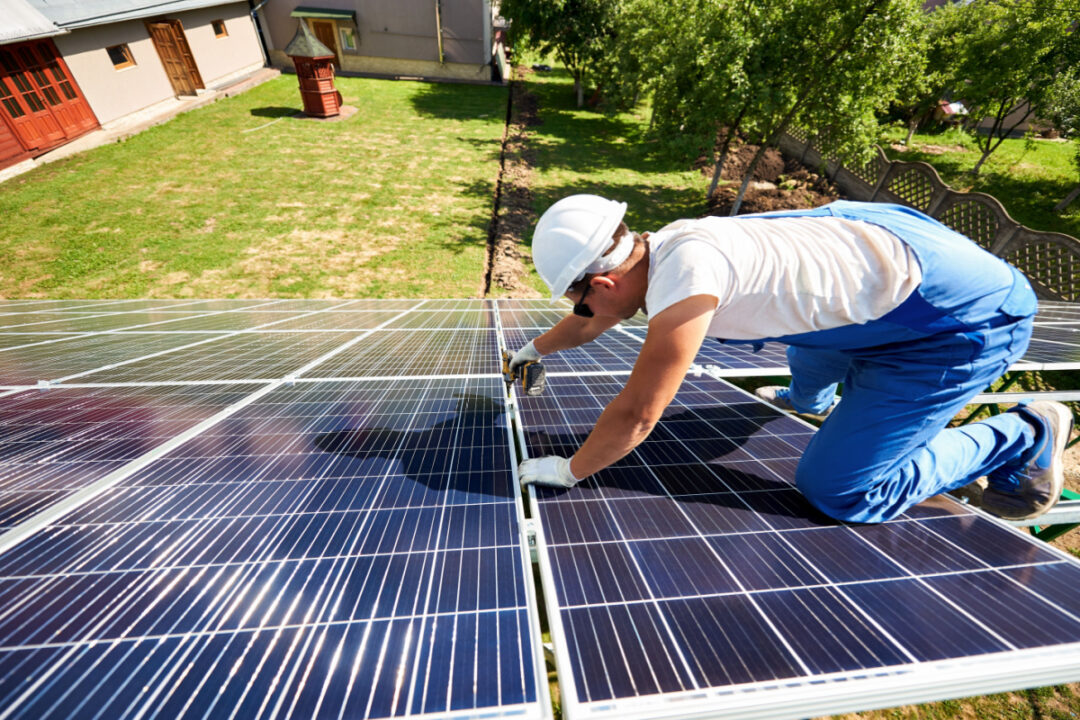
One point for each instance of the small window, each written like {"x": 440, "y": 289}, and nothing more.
{"x": 120, "y": 56}
{"x": 348, "y": 38}
{"x": 219, "y": 28}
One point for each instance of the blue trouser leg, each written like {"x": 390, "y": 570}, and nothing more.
{"x": 885, "y": 446}
{"x": 814, "y": 375}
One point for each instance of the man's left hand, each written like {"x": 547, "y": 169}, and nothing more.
{"x": 553, "y": 471}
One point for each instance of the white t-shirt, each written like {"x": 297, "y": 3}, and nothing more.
{"x": 781, "y": 276}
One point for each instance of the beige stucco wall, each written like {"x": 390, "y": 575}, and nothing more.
{"x": 406, "y": 68}
{"x": 113, "y": 93}
{"x": 399, "y": 37}
{"x": 221, "y": 57}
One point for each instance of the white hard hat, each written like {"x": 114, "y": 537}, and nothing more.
{"x": 571, "y": 237}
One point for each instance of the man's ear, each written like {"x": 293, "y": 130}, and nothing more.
{"x": 602, "y": 282}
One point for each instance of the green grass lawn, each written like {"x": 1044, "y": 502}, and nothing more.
{"x": 1029, "y": 177}
{"x": 241, "y": 199}
{"x": 583, "y": 150}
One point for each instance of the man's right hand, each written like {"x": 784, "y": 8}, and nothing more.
{"x": 525, "y": 355}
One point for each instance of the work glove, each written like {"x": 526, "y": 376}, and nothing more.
{"x": 526, "y": 354}
{"x": 552, "y": 471}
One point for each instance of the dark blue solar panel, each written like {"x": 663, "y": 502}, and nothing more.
{"x": 694, "y": 564}
{"x": 612, "y": 351}
{"x": 329, "y": 548}
{"x": 54, "y": 442}
{"x": 415, "y": 352}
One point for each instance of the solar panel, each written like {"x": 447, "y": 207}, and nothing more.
{"x": 307, "y": 508}
{"x": 735, "y": 360}
{"x": 240, "y": 356}
{"x": 691, "y": 578}
{"x": 77, "y": 354}
{"x": 416, "y": 352}
{"x": 611, "y": 352}
{"x": 330, "y": 549}
{"x": 56, "y": 442}
{"x": 448, "y": 320}
{"x": 1056, "y": 311}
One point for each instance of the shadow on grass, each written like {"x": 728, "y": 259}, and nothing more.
{"x": 453, "y": 101}
{"x": 274, "y": 112}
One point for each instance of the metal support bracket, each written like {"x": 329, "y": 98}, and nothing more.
{"x": 530, "y": 527}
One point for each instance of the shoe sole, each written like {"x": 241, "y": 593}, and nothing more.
{"x": 1060, "y": 420}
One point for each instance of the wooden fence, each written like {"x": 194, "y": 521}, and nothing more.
{"x": 1050, "y": 260}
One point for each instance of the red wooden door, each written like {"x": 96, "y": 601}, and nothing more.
{"x": 35, "y": 124}
{"x": 64, "y": 96}
{"x": 11, "y": 150}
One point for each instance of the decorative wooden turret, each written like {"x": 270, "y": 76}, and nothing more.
{"x": 315, "y": 70}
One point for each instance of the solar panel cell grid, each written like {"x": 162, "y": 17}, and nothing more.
{"x": 353, "y": 561}
{"x": 693, "y": 565}
{"x": 338, "y": 320}
{"x": 112, "y": 321}
{"x": 224, "y": 321}
{"x": 55, "y": 442}
{"x": 610, "y": 352}
{"x": 13, "y": 340}
{"x": 244, "y": 356}
{"x": 450, "y": 319}
{"x": 27, "y": 365}
{"x": 415, "y": 352}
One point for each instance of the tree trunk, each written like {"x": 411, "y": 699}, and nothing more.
{"x": 579, "y": 90}
{"x": 978, "y": 166}
{"x": 1073, "y": 194}
{"x": 746, "y": 178}
{"x": 913, "y": 123}
{"x": 718, "y": 168}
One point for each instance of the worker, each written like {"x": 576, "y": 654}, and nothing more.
{"x": 913, "y": 318}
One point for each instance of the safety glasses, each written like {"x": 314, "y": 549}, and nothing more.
{"x": 580, "y": 308}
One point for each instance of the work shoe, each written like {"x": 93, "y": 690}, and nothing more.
{"x": 780, "y": 397}
{"x": 1039, "y": 473}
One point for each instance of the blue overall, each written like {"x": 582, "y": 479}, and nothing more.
{"x": 885, "y": 446}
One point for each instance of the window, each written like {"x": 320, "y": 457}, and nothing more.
{"x": 219, "y": 29}
{"x": 348, "y": 39}
{"x": 121, "y": 56}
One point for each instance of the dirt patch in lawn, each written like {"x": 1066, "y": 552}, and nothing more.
{"x": 514, "y": 215}
{"x": 778, "y": 183}
{"x": 929, "y": 149}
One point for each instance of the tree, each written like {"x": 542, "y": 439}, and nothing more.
{"x": 576, "y": 32}
{"x": 942, "y": 32}
{"x": 688, "y": 56}
{"x": 1063, "y": 107}
{"x": 832, "y": 80}
{"x": 1010, "y": 57}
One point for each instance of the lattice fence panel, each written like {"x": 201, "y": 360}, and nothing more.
{"x": 973, "y": 219}
{"x": 913, "y": 188}
{"x": 868, "y": 171}
{"x": 1053, "y": 266}
{"x": 797, "y": 133}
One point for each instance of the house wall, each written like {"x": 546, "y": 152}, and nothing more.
{"x": 1031, "y": 123}
{"x": 114, "y": 94}
{"x": 220, "y": 58}
{"x": 399, "y": 37}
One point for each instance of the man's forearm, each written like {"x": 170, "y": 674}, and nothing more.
{"x": 619, "y": 430}
{"x": 571, "y": 332}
